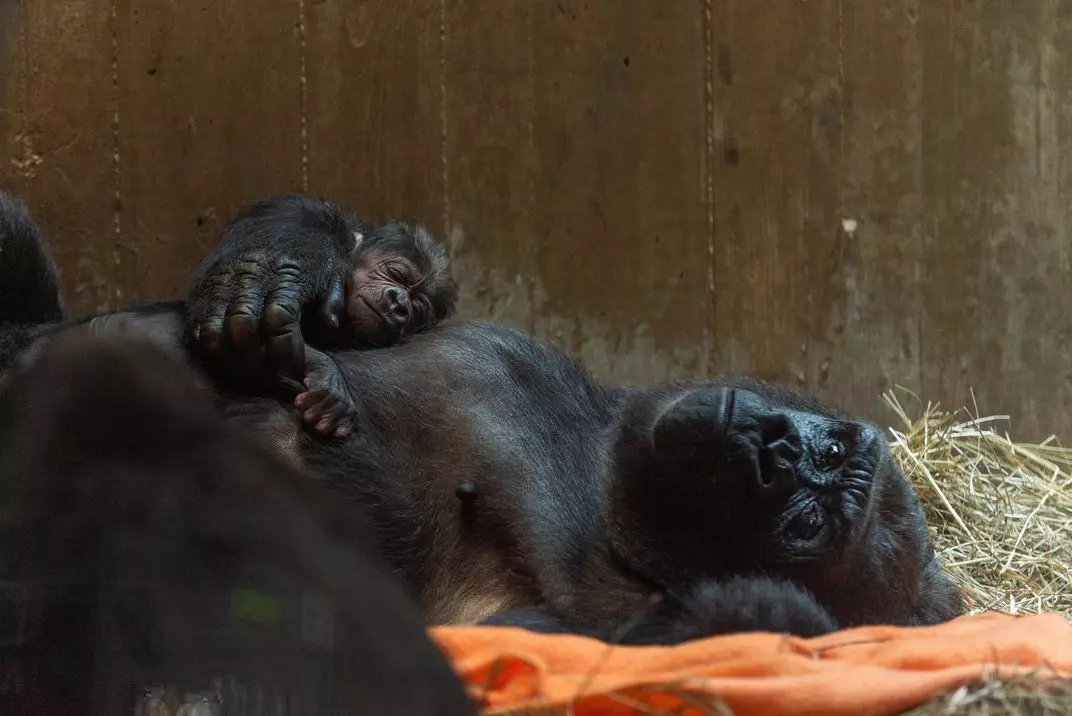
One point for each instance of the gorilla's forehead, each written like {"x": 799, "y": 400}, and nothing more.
{"x": 782, "y": 398}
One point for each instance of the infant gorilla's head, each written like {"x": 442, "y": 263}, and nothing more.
{"x": 400, "y": 284}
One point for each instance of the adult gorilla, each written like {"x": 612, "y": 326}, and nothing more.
{"x": 506, "y": 484}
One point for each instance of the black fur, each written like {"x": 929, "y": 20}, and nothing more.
{"x": 376, "y": 285}
{"x": 132, "y": 513}
{"x": 30, "y": 301}
{"x": 649, "y": 513}
{"x": 29, "y": 281}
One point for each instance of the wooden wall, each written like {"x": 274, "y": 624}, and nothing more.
{"x": 838, "y": 194}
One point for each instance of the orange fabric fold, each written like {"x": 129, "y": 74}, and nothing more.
{"x": 869, "y": 670}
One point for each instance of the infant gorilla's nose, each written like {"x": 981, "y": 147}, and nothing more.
{"x": 396, "y": 305}
{"x": 732, "y": 434}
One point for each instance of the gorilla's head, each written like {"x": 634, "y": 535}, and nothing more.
{"x": 739, "y": 477}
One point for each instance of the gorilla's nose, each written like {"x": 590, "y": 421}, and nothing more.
{"x": 776, "y": 478}
{"x": 396, "y": 307}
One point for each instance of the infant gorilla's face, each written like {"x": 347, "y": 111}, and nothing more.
{"x": 400, "y": 284}
{"x": 385, "y": 301}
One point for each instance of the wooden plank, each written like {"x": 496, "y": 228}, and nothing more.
{"x": 777, "y": 149}
{"x": 209, "y": 119}
{"x": 996, "y": 315}
{"x": 375, "y": 105}
{"x": 868, "y": 341}
{"x": 491, "y": 157}
{"x": 621, "y": 202}
{"x": 58, "y": 141}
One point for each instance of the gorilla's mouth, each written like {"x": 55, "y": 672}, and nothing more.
{"x": 369, "y": 326}
{"x": 807, "y": 522}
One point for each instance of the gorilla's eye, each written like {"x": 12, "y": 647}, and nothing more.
{"x": 832, "y": 455}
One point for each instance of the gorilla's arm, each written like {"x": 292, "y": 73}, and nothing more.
{"x": 712, "y": 608}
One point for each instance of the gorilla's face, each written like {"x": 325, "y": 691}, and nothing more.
{"x": 827, "y": 507}
{"x": 737, "y": 477}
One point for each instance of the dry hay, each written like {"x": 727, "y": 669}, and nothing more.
{"x": 1014, "y": 697}
{"x": 1000, "y": 511}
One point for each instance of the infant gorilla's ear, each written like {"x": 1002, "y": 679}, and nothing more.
{"x": 744, "y": 604}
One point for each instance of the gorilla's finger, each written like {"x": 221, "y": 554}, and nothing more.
{"x": 242, "y": 322}
{"x": 335, "y": 303}
{"x": 208, "y": 332}
{"x": 283, "y": 336}
{"x": 207, "y": 312}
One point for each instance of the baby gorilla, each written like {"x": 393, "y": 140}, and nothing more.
{"x": 400, "y": 284}
{"x": 397, "y": 283}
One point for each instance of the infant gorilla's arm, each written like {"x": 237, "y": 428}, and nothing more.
{"x": 372, "y": 287}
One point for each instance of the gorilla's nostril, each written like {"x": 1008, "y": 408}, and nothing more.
{"x": 396, "y": 304}
{"x": 778, "y": 480}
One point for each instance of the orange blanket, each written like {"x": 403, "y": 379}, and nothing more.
{"x": 873, "y": 670}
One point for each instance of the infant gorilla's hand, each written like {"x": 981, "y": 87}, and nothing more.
{"x": 326, "y": 404}
{"x": 278, "y": 258}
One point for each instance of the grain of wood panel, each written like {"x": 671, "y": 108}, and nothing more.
{"x": 209, "y": 118}
{"x": 996, "y": 310}
{"x": 58, "y": 141}
{"x": 777, "y": 118}
{"x": 374, "y": 107}
{"x": 869, "y": 340}
{"x": 621, "y": 219}
{"x": 8, "y": 25}
{"x": 491, "y": 157}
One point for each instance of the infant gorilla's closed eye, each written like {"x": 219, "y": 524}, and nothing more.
{"x": 400, "y": 284}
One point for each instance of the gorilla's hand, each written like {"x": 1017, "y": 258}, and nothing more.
{"x": 277, "y": 259}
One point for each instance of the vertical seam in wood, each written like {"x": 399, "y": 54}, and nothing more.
{"x": 531, "y": 245}
{"x": 117, "y": 198}
{"x": 443, "y": 114}
{"x": 839, "y": 239}
{"x": 303, "y": 80}
{"x": 709, "y": 180}
{"x": 27, "y": 71}
{"x": 923, "y": 229}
